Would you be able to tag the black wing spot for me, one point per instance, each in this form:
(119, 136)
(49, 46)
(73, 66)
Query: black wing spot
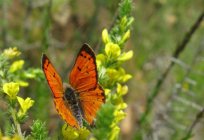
(48, 63)
(79, 68)
(54, 75)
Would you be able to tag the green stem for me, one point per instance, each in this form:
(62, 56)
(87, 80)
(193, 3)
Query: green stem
(17, 125)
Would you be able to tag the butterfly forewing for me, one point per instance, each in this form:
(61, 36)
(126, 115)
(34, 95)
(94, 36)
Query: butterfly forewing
(83, 76)
(65, 112)
(55, 84)
(53, 79)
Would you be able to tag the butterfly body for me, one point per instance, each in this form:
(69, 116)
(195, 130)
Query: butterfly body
(71, 98)
(83, 98)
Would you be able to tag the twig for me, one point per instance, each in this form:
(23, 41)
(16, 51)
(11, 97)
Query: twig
(47, 23)
(188, 36)
(4, 25)
(26, 19)
(160, 81)
(93, 22)
(195, 122)
(178, 89)
(96, 49)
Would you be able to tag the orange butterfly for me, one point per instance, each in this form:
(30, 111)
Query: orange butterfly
(82, 99)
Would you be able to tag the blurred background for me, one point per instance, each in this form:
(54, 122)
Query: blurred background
(60, 27)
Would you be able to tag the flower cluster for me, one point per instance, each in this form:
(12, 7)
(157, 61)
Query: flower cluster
(112, 75)
(12, 89)
(11, 53)
(13, 76)
(70, 133)
(109, 63)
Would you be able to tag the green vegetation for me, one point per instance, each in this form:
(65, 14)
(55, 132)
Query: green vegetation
(149, 57)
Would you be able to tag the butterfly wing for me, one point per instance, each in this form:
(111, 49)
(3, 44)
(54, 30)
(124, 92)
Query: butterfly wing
(55, 84)
(91, 101)
(53, 79)
(65, 112)
(83, 78)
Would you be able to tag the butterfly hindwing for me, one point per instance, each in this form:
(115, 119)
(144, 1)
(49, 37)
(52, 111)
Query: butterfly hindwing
(55, 84)
(83, 76)
(91, 101)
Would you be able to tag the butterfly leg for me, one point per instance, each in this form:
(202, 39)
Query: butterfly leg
(66, 127)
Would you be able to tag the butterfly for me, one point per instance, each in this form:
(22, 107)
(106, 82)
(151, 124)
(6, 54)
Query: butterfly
(84, 96)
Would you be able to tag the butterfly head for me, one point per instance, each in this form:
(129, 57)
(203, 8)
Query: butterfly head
(66, 86)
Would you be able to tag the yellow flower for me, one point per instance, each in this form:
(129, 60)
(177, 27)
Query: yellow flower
(100, 58)
(114, 132)
(112, 73)
(15, 137)
(107, 91)
(16, 65)
(123, 76)
(122, 106)
(11, 89)
(70, 133)
(25, 105)
(125, 56)
(11, 52)
(122, 90)
(112, 50)
(105, 36)
(119, 115)
(83, 133)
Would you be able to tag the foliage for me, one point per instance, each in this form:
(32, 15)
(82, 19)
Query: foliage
(59, 27)
(39, 131)
(13, 76)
